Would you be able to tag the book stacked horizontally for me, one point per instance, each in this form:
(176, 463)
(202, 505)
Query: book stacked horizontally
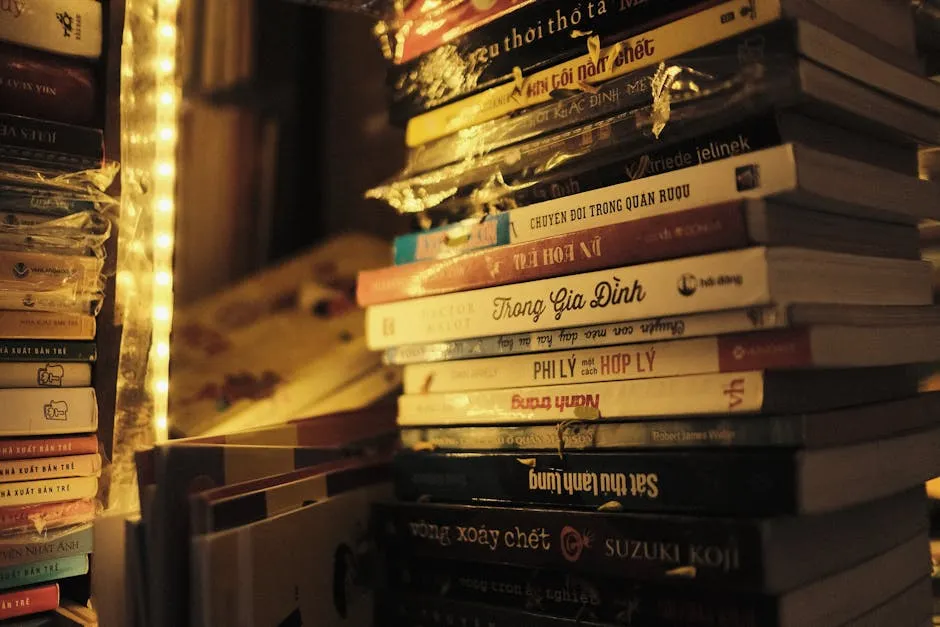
(665, 331)
(262, 527)
(52, 234)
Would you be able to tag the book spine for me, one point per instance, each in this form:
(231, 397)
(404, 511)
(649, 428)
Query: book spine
(50, 144)
(41, 327)
(69, 27)
(44, 375)
(41, 271)
(45, 516)
(29, 448)
(739, 483)
(50, 468)
(633, 332)
(752, 175)
(47, 491)
(29, 601)
(420, 609)
(693, 232)
(41, 202)
(646, 50)
(770, 431)
(641, 547)
(14, 349)
(78, 541)
(516, 42)
(41, 572)
(738, 392)
(755, 351)
(452, 239)
(665, 288)
(586, 597)
(49, 411)
(46, 88)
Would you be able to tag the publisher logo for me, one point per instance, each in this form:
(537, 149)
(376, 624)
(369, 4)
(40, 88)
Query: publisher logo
(20, 270)
(739, 352)
(50, 376)
(28, 301)
(573, 543)
(56, 410)
(747, 177)
(65, 19)
(687, 285)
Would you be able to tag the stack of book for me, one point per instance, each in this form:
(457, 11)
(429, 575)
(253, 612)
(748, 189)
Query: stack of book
(53, 227)
(665, 331)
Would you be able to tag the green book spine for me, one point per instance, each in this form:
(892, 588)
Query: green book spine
(41, 572)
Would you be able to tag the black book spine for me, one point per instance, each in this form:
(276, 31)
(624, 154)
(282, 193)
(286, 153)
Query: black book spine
(50, 144)
(561, 594)
(747, 63)
(634, 546)
(426, 611)
(46, 350)
(536, 36)
(759, 483)
(38, 201)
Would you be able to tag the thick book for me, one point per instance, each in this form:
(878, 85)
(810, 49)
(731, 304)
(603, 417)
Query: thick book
(44, 375)
(817, 430)
(730, 483)
(34, 326)
(27, 349)
(71, 27)
(685, 233)
(722, 322)
(730, 280)
(807, 347)
(41, 572)
(52, 411)
(50, 468)
(765, 61)
(44, 517)
(47, 490)
(545, 34)
(52, 146)
(770, 555)
(46, 87)
(37, 271)
(75, 540)
(574, 601)
(648, 49)
(30, 448)
(303, 577)
(29, 601)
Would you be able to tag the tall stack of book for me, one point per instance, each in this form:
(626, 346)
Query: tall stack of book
(53, 226)
(665, 330)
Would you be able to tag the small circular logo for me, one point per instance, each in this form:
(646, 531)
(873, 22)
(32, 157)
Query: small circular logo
(20, 270)
(687, 284)
(573, 544)
(739, 352)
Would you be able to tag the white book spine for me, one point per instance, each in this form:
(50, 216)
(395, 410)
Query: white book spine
(44, 375)
(632, 332)
(679, 286)
(614, 363)
(71, 27)
(50, 468)
(48, 411)
(47, 491)
(702, 394)
(752, 175)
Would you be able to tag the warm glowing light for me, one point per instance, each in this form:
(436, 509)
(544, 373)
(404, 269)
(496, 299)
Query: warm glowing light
(161, 313)
(162, 386)
(161, 422)
(166, 98)
(168, 30)
(163, 349)
(165, 169)
(164, 240)
(166, 65)
(167, 134)
(163, 278)
(165, 205)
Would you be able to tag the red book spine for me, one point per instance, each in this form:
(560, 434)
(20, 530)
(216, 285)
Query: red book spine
(45, 516)
(693, 232)
(785, 348)
(29, 601)
(421, 30)
(46, 87)
(31, 448)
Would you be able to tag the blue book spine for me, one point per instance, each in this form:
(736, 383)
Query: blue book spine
(41, 572)
(452, 239)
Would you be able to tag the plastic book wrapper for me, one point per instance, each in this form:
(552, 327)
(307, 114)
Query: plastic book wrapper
(279, 345)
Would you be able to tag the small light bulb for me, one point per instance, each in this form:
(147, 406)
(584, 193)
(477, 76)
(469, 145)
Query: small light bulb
(166, 65)
(162, 386)
(163, 349)
(166, 98)
(167, 134)
(164, 240)
(163, 278)
(161, 422)
(165, 169)
(168, 30)
(161, 313)
(165, 205)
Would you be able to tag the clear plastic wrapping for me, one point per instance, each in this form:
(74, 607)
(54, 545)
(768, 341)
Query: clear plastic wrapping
(53, 227)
